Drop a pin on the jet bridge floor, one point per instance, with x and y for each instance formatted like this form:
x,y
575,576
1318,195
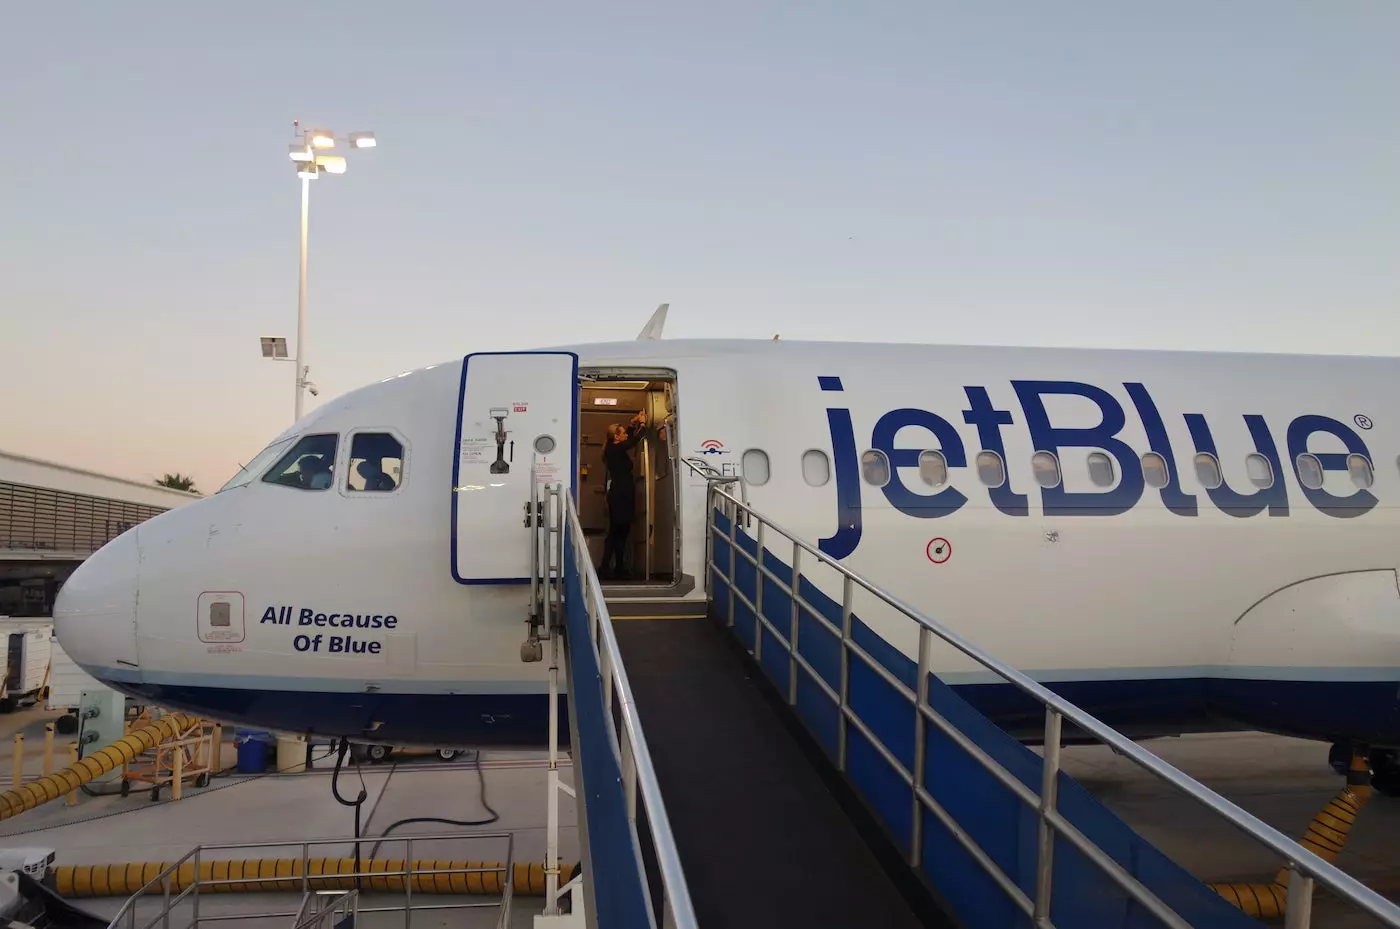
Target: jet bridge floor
x,y
762,838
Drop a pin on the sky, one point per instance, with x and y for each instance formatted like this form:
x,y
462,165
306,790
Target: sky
x,y
1187,175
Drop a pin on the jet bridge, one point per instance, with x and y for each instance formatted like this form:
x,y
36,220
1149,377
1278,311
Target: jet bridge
x,y
781,764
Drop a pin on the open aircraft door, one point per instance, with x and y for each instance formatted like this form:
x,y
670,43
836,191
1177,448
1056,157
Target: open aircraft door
x,y
514,409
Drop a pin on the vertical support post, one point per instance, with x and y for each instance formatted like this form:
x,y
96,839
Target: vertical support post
x,y
532,520
629,774
197,888
562,514
1298,914
916,826
1049,787
301,296
551,863
177,770
733,544
709,541
48,749
216,749
848,593
18,779
796,624
72,799
758,597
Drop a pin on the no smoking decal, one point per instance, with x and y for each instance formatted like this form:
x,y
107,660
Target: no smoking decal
x,y
939,550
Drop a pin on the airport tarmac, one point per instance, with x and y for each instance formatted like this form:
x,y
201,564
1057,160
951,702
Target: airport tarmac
x,y
1283,781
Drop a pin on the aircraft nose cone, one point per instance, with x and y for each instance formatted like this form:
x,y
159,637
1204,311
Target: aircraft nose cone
x,y
95,614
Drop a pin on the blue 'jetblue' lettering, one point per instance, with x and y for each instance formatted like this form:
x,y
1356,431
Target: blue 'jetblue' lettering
x,y
983,414
1173,497
908,502
1044,436
1231,501
843,449
1299,431
1047,438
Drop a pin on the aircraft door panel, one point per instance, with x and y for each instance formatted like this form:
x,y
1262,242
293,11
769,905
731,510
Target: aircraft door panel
x,y
515,409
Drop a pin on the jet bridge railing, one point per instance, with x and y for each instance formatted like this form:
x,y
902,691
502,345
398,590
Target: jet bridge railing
x,y
612,763
847,684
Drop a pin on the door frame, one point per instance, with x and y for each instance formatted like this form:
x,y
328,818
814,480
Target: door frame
x,y
590,374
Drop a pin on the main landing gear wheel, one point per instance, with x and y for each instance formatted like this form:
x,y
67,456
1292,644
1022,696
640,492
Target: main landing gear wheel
x,y
447,754
377,753
1385,771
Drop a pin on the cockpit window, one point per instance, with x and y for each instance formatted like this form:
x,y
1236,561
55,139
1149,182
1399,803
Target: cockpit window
x,y
310,465
376,463
249,472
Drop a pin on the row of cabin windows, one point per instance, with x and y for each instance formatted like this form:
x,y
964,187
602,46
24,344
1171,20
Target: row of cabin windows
x,y
991,470
376,463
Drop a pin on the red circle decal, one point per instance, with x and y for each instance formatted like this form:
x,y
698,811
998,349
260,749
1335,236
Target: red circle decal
x,y
939,550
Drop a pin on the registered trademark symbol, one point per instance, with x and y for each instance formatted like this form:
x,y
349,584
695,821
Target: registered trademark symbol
x,y
1362,420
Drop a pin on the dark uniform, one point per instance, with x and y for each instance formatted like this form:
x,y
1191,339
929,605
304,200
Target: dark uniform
x,y
622,498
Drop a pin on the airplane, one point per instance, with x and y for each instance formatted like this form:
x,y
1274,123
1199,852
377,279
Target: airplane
x,y
1176,541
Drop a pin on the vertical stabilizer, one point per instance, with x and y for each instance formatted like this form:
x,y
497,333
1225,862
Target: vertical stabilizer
x,y
652,330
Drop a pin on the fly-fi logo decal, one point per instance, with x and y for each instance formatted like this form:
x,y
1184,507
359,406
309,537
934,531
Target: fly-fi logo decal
x,y
712,447
987,421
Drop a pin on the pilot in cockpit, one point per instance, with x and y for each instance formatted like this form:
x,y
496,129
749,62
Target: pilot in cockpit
x,y
315,472
372,472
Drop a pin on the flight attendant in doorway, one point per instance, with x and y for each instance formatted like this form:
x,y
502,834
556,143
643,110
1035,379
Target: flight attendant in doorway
x,y
622,493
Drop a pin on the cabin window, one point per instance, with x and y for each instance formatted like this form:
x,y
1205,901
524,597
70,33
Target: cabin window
x,y
1359,467
816,467
755,464
1309,471
991,469
1155,471
310,465
1101,469
249,472
875,468
933,468
1261,473
1208,471
1047,469
376,463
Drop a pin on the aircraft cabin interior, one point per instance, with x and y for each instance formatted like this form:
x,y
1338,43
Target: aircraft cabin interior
x,y
653,545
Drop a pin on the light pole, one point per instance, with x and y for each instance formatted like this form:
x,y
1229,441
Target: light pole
x,y
310,164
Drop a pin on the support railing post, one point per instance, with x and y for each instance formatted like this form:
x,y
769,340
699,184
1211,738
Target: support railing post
x,y
1298,912
916,826
796,625
18,779
1049,787
848,592
733,543
758,597
48,748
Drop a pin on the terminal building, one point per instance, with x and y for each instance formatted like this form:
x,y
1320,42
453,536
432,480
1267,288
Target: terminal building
x,y
53,516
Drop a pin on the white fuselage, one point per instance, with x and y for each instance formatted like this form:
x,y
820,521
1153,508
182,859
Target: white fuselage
x,y
1262,602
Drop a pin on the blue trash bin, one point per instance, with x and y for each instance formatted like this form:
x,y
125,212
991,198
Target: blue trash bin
x,y
252,750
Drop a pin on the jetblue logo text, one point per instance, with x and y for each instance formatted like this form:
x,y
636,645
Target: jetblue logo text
x,y
983,415
332,644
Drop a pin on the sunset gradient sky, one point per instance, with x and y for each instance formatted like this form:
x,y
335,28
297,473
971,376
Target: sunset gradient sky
x,y
1188,175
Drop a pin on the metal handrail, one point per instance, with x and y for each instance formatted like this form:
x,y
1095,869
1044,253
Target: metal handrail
x,y
125,917
631,746
1305,865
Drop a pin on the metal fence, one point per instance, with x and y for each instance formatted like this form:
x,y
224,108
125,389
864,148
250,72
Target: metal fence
x,y
173,897
738,567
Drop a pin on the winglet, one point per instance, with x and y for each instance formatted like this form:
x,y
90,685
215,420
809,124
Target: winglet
x,y
652,330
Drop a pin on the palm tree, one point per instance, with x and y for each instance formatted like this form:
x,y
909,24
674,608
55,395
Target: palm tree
x,y
178,481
